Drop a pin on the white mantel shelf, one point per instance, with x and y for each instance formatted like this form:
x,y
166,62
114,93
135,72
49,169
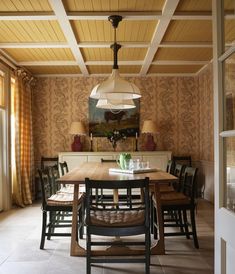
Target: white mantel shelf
x,y
156,159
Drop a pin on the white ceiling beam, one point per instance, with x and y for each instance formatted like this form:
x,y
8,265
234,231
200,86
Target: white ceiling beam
x,y
107,45
122,74
48,63
110,63
42,45
91,15
178,62
27,16
65,45
167,12
185,45
103,15
61,15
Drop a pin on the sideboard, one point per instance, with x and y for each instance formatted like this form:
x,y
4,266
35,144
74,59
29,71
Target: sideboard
x,y
156,159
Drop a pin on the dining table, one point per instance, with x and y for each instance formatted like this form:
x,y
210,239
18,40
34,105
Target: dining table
x,y
101,171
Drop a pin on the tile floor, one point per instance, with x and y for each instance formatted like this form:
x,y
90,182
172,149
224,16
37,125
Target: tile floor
x,y
20,254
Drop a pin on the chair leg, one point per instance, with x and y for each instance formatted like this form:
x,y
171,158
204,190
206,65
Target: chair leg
x,y
155,221
180,221
44,226
186,224
81,214
52,220
151,215
147,251
192,215
88,253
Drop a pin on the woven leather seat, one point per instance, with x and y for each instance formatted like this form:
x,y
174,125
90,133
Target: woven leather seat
x,y
107,218
54,204
117,218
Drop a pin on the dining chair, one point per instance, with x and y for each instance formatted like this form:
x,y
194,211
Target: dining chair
x,y
117,219
48,162
184,202
53,203
64,168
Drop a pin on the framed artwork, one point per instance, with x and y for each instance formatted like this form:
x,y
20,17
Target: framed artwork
x,y
104,121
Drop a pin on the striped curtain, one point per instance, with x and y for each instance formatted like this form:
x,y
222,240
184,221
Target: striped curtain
x,y
22,173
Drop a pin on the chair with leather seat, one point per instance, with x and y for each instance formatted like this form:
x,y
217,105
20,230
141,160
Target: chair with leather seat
x,y
53,203
184,202
117,219
64,168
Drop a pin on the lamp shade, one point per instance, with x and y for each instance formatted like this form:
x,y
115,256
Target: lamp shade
x,y
115,104
77,128
149,127
115,88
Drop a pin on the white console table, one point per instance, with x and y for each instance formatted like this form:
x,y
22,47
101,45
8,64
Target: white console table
x,y
156,159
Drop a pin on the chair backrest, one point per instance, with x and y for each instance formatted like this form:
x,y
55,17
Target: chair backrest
x,y
46,187
189,183
93,205
184,160
64,168
53,174
179,172
108,160
170,167
48,161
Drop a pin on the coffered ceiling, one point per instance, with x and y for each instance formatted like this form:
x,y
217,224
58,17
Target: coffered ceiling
x,y
158,37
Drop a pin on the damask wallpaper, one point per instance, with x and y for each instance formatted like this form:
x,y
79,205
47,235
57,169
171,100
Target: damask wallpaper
x,y
181,106
205,82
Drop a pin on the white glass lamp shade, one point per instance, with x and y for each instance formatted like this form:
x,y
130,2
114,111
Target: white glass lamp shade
x,y
115,88
115,104
77,128
149,127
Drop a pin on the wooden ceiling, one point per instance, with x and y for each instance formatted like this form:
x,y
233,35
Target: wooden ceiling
x,y
158,37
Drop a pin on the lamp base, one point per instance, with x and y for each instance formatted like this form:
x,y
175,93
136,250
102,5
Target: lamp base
x,y
76,145
150,145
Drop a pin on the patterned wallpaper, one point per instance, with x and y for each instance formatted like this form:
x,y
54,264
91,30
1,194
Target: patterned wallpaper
x,y
175,103
206,116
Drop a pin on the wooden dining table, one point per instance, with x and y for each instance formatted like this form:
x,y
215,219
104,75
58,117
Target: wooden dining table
x,y
100,171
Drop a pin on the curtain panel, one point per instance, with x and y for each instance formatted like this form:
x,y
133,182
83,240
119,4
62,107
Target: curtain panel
x,y
23,168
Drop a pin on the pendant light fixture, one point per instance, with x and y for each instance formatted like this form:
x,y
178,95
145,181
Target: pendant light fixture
x,y
115,92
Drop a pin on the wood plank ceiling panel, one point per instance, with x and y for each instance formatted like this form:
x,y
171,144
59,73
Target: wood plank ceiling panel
x,y
106,54
108,69
24,5
186,54
174,69
102,31
54,69
229,5
113,5
189,31
30,31
48,54
229,31
192,5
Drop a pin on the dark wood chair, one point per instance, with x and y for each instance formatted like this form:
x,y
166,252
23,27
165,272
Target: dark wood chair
x,y
64,168
48,162
184,160
117,219
184,202
53,203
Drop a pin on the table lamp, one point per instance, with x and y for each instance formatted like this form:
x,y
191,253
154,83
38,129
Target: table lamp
x,y
77,129
150,128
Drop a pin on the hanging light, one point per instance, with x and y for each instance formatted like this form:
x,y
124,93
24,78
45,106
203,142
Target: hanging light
x,y
115,90
115,104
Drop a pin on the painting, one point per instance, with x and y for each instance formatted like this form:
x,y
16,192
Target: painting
x,y
104,121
